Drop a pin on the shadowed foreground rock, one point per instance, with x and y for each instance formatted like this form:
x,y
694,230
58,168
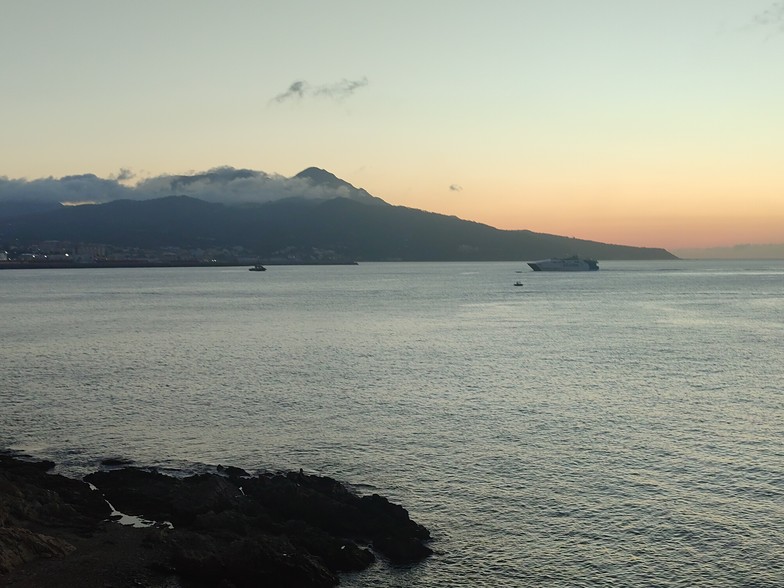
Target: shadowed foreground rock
x,y
229,529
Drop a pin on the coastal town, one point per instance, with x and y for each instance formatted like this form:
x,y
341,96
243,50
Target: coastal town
x,y
64,254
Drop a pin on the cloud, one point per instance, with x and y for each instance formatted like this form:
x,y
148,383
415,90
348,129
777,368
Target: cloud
x,y
337,91
223,184
296,90
342,89
456,188
79,188
124,175
773,16
220,184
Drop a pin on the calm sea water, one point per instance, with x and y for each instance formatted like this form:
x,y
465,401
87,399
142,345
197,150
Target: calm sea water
x,y
617,428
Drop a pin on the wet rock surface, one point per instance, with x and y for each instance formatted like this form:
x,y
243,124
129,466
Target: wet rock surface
x,y
226,528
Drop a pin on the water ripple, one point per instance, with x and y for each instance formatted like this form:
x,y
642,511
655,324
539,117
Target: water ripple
x,y
619,429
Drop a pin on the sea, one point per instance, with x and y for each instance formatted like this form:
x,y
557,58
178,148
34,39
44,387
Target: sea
x,y
616,428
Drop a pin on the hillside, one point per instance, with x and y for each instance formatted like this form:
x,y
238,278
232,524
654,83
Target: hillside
x,y
354,225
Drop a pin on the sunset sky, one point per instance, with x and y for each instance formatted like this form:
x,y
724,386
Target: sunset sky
x,y
654,123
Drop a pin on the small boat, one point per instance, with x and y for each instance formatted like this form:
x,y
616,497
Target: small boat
x,y
258,268
518,283
564,264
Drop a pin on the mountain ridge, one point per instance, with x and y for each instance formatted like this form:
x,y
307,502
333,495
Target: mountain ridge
x,y
321,177
354,224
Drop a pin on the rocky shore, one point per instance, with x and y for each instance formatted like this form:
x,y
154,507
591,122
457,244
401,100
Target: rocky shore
x,y
225,528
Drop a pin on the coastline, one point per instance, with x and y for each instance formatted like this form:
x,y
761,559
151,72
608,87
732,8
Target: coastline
x,y
131,263
227,528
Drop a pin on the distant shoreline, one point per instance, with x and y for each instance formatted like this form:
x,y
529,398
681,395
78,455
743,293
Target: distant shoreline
x,y
141,263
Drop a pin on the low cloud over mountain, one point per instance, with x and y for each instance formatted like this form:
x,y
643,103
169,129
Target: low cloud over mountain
x,y
223,184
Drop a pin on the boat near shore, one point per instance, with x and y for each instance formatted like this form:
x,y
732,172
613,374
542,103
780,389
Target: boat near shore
x,y
564,264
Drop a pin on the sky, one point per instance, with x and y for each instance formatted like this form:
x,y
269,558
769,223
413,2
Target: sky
x,y
650,123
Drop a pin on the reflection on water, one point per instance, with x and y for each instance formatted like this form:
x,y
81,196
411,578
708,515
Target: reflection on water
x,y
613,428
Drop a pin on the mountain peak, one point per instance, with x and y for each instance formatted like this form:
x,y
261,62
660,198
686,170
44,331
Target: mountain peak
x,y
324,179
321,177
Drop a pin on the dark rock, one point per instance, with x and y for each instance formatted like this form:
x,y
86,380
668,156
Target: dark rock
x,y
326,504
339,554
160,497
384,518
230,528
35,506
206,493
258,561
28,493
233,472
19,546
136,491
402,550
10,463
116,462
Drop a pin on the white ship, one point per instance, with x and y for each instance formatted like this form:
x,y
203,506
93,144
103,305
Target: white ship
x,y
564,264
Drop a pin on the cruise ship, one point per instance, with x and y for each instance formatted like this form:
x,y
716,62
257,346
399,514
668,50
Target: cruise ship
x,y
564,264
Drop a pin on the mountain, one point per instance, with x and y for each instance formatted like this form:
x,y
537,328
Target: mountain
x,y
354,225
16,208
320,177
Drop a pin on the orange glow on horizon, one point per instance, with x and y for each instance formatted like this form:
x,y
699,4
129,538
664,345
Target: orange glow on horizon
x,y
673,213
